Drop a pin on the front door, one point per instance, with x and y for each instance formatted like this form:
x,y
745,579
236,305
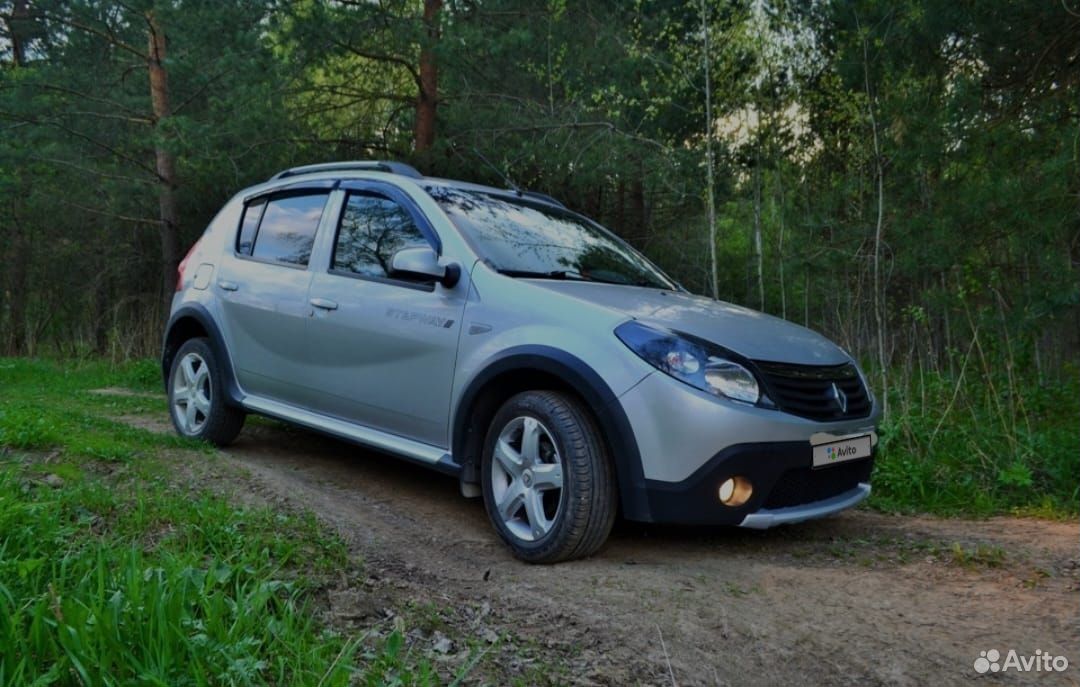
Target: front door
x,y
382,347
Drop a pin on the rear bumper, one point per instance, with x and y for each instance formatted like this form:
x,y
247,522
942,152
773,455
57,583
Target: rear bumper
x,y
786,488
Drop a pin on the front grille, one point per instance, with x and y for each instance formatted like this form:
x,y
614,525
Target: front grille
x,y
817,392
800,486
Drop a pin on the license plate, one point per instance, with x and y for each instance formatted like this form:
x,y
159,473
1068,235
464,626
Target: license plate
x,y
834,452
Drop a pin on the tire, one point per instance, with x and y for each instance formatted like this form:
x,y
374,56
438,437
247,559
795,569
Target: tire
x,y
542,524
196,381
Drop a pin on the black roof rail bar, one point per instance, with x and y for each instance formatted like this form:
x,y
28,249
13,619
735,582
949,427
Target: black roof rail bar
x,y
355,165
541,196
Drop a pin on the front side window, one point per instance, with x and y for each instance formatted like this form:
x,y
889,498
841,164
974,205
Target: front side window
x,y
526,239
372,229
286,231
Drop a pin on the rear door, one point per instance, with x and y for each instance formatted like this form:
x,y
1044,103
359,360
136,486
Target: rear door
x,y
263,284
383,347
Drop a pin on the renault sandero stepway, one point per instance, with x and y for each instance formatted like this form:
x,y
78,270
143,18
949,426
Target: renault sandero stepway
x,y
501,338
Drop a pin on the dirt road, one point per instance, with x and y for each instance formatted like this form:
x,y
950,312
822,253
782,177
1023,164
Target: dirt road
x,y
859,599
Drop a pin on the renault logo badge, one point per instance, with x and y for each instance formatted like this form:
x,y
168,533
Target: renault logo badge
x,y
840,397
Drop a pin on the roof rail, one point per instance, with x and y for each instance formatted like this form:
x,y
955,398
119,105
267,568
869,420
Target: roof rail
x,y
541,196
354,165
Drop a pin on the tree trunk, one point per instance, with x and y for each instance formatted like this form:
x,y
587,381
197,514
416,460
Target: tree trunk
x,y
166,165
17,286
710,193
620,208
100,304
879,226
637,220
19,14
780,246
428,98
18,256
759,257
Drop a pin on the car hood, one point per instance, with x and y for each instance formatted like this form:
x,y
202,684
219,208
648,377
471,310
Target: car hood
x,y
748,332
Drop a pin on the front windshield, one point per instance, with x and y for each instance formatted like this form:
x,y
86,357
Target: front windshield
x,y
526,239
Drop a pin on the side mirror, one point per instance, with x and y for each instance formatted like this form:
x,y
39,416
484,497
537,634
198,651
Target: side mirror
x,y
421,262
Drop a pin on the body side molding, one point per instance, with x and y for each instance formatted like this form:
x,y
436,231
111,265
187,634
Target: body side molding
x,y
418,452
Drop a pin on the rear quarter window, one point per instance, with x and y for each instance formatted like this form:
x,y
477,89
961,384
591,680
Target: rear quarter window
x,y
245,240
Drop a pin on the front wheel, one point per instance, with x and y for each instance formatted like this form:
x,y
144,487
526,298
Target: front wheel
x,y
547,479
197,398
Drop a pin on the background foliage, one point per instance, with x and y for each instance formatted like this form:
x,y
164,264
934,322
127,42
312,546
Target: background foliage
x,y
903,176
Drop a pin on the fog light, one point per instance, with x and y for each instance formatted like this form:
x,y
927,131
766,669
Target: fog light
x,y
735,491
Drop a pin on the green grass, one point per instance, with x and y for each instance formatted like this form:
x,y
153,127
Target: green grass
x,y
978,556
989,447
126,574
46,405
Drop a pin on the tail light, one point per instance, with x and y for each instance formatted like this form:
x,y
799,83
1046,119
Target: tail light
x,y
183,265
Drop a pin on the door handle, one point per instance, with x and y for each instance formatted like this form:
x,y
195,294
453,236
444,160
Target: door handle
x,y
228,285
324,304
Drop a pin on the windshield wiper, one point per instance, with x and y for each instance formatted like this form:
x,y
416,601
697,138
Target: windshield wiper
x,y
552,274
574,275
569,275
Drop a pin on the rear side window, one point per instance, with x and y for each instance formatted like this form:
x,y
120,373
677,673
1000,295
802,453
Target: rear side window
x,y
281,229
372,229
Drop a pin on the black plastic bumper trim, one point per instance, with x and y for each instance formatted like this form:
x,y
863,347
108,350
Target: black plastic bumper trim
x,y
695,500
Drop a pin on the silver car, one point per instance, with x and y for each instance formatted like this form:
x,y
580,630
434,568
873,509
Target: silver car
x,y
496,336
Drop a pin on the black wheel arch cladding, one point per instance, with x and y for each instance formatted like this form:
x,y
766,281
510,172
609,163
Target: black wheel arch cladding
x,y
587,384
181,327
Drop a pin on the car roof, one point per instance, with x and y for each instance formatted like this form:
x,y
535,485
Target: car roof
x,y
360,168
351,165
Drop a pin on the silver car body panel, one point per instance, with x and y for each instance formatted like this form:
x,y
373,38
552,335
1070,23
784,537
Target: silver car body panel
x,y
679,427
384,355
751,333
496,321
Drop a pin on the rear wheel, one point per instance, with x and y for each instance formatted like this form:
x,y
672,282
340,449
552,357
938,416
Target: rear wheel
x,y
196,396
547,480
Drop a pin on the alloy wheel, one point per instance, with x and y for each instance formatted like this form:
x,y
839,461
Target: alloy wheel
x,y
191,393
526,478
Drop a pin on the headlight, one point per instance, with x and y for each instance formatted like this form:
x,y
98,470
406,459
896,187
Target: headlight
x,y
732,380
698,363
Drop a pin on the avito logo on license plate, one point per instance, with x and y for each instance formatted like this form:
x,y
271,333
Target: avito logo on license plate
x,y
834,452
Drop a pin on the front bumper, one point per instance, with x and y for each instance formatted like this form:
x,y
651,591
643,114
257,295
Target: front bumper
x,y
688,442
766,518
786,488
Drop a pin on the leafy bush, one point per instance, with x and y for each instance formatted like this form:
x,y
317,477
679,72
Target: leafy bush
x,y
981,447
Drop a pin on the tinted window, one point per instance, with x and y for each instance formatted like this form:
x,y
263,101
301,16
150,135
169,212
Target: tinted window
x,y
287,231
248,226
372,230
527,239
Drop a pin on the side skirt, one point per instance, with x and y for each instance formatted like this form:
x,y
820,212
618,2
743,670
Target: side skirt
x,y
415,451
